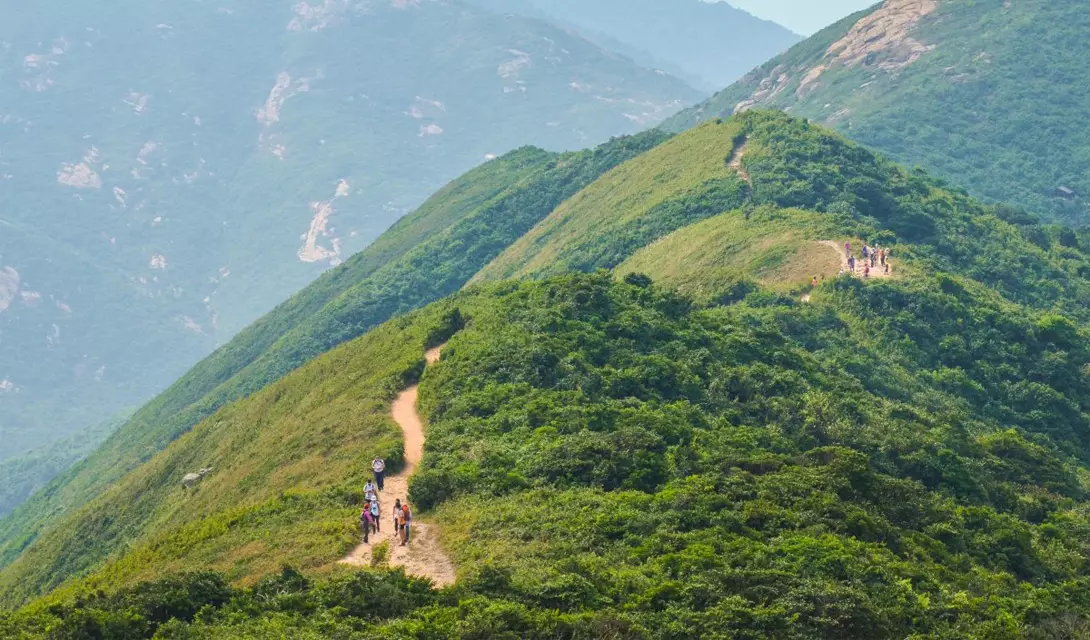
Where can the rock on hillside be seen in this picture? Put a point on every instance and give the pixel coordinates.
(170, 171)
(963, 88)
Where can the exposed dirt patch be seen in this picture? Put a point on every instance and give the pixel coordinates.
(423, 556)
(735, 161)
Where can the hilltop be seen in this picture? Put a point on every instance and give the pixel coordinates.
(672, 445)
(172, 171)
(966, 89)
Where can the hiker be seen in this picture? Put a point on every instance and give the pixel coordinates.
(866, 270)
(375, 511)
(866, 251)
(887, 268)
(882, 257)
(851, 263)
(406, 520)
(370, 492)
(365, 522)
(397, 517)
(873, 259)
(378, 465)
(814, 283)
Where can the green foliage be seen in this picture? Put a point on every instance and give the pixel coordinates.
(985, 107)
(426, 256)
(612, 460)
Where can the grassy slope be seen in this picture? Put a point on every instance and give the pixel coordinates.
(914, 448)
(201, 391)
(436, 267)
(678, 183)
(288, 464)
(990, 108)
(793, 165)
(779, 248)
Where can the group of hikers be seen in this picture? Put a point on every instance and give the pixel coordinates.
(873, 258)
(372, 511)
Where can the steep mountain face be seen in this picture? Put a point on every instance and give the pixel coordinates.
(711, 45)
(888, 457)
(963, 88)
(170, 171)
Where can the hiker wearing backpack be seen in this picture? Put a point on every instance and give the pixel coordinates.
(406, 520)
(365, 522)
(370, 492)
(378, 465)
(375, 511)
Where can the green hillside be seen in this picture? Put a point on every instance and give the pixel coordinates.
(988, 94)
(426, 256)
(708, 456)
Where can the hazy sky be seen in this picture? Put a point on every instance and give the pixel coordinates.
(802, 16)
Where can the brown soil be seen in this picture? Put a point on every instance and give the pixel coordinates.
(735, 161)
(424, 555)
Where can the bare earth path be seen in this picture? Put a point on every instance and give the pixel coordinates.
(423, 556)
(877, 272)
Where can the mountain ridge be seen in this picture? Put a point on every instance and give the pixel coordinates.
(951, 85)
(929, 427)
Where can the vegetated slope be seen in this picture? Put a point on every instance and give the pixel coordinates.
(287, 468)
(896, 458)
(25, 474)
(709, 44)
(484, 212)
(171, 171)
(966, 89)
(792, 165)
(720, 259)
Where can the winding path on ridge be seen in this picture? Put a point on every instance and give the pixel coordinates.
(423, 556)
(877, 272)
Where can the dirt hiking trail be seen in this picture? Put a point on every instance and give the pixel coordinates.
(878, 272)
(423, 556)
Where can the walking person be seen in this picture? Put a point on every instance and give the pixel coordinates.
(365, 522)
(370, 492)
(866, 251)
(851, 263)
(848, 249)
(882, 257)
(406, 520)
(375, 511)
(866, 270)
(873, 259)
(378, 465)
(397, 517)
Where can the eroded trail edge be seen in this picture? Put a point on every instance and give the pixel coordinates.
(423, 556)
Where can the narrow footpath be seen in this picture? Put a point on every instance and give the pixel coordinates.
(878, 272)
(423, 556)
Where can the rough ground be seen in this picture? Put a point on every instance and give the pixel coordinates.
(423, 556)
(877, 272)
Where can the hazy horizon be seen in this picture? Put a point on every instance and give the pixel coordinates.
(804, 17)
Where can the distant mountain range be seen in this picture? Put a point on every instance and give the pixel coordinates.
(709, 44)
(170, 171)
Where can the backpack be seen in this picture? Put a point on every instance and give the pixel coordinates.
(374, 509)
